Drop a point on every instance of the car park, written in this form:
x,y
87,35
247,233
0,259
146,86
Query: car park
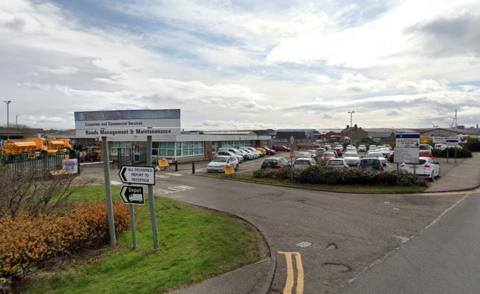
x,y
219,163
351,158
378,155
427,167
281,148
275,162
337,163
371,164
304,162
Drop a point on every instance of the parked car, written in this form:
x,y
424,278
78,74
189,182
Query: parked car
x,y
379,155
275,162
250,152
329,154
351,148
371,163
351,158
255,151
362,148
230,151
426,167
281,148
262,150
337,163
305,154
425,150
372,147
304,162
440,146
339,151
219,163
320,151
327,146
269,151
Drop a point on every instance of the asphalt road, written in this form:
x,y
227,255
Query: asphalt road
x,y
343,233
444,259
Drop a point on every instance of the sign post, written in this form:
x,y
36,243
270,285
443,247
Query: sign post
x,y
151,199
292,156
108,192
132,195
407,150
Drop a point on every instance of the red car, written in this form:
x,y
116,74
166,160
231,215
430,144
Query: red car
x,y
269,150
281,148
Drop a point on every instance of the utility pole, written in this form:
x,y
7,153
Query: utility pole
x,y
16,121
8,111
351,117
456,122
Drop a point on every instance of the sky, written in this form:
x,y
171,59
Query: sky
x,y
243,64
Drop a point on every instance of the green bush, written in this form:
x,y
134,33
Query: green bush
x,y
461,153
473,145
347,176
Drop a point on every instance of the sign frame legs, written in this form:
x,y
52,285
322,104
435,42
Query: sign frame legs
x,y
151,199
108,192
134,226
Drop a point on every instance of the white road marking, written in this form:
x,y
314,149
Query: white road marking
x,y
174,189
174,174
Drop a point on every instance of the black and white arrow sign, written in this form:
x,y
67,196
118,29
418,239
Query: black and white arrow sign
x,y
132,194
143,175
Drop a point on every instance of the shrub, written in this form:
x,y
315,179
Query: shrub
x,y
461,153
26,241
473,145
346,176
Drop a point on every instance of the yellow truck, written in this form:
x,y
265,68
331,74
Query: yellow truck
x,y
34,146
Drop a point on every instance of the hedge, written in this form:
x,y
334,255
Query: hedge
x,y
26,241
347,176
461,153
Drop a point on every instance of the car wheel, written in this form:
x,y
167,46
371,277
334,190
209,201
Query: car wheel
x,y
236,167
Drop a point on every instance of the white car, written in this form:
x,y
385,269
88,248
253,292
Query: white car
x,y
362,148
378,155
351,158
351,148
337,163
372,147
303,154
219,163
233,150
303,162
253,151
426,167
229,153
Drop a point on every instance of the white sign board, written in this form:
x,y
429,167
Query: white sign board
x,y
452,141
132,195
406,148
143,175
125,123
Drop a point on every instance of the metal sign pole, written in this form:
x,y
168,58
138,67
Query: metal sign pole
x,y
108,192
151,199
134,226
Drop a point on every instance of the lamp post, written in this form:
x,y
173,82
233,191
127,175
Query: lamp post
x,y
351,117
8,111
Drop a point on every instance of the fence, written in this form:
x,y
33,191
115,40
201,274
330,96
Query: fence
x,y
38,167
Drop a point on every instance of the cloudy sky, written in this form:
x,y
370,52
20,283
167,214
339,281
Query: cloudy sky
x,y
244,64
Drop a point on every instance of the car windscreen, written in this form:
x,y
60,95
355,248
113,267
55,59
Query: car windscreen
x,y
302,162
335,162
369,162
424,147
220,159
351,154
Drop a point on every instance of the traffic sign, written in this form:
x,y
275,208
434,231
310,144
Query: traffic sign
x,y
132,194
407,140
143,175
407,148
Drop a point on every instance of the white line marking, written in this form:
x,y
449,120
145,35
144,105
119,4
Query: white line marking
x,y
386,255
174,174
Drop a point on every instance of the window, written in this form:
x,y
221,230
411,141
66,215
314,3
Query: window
x,y
177,149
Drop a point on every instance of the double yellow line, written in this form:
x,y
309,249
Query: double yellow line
x,y
290,273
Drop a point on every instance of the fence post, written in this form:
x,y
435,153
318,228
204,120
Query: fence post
x,y
193,167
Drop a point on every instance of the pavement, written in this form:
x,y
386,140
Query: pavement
x,y
463,175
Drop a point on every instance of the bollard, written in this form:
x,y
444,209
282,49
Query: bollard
x,y
176,165
193,167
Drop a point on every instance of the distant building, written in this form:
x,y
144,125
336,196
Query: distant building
x,y
20,133
300,135
355,134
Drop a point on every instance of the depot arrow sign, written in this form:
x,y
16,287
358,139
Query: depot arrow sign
x,y
132,194
143,175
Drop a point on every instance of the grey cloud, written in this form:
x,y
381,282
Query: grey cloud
x,y
450,36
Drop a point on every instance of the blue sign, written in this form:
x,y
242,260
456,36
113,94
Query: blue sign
x,y
408,136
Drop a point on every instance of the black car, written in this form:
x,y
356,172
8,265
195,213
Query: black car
x,y
371,163
275,162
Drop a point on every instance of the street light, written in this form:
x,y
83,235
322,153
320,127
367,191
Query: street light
x,y
351,117
8,111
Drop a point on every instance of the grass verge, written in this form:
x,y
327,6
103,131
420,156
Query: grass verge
x,y
195,244
375,189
